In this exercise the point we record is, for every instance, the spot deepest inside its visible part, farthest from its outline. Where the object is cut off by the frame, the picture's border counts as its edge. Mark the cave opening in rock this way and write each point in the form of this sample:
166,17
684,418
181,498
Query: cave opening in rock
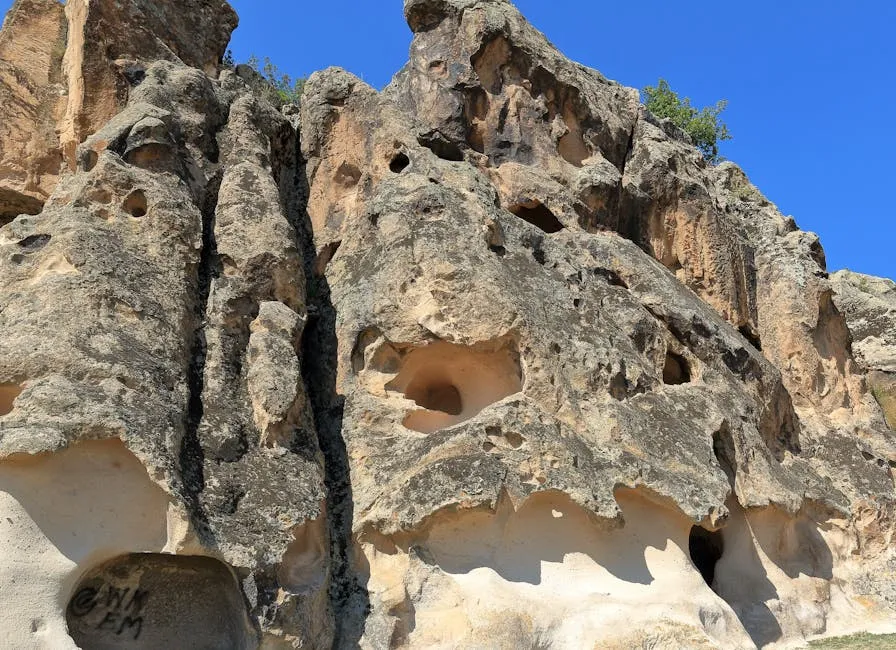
151,600
442,147
89,159
34,242
750,334
399,163
8,395
13,204
452,383
706,548
438,395
539,216
135,204
676,370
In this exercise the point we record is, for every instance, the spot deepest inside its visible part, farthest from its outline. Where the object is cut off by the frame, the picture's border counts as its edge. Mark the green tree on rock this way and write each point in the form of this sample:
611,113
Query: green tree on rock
704,126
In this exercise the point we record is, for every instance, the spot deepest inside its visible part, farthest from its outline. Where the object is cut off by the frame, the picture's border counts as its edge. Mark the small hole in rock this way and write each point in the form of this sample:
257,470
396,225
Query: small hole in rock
8,395
89,160
706,549
676,370
514,439
34,242
724,451
452,383
135,204
436,396
347,175
539,216
748,333
399,163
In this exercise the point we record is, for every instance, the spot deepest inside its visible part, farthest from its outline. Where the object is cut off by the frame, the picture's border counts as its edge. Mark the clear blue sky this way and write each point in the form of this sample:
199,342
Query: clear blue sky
811,86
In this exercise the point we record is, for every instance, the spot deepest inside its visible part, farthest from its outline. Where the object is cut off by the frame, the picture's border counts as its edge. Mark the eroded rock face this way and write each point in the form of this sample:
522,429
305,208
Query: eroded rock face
67,69
869,304
492,358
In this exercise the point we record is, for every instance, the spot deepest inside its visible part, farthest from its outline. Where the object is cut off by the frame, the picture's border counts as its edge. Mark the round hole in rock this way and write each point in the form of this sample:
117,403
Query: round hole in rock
135,204
453,383
148,601
676,370
8,395
706,549
435,395
399,163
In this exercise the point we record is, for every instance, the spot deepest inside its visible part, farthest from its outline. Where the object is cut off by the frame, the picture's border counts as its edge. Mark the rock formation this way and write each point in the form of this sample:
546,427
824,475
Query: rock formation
491,358
869,305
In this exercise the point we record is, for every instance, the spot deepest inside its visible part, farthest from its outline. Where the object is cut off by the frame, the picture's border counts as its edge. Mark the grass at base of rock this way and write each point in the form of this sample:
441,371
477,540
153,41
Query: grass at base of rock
857,642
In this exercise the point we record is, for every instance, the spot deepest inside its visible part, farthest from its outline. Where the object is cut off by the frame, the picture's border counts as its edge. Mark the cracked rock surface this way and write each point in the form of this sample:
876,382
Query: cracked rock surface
491,358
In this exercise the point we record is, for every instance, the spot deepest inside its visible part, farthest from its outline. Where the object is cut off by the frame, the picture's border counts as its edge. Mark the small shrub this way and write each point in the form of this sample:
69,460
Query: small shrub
704,126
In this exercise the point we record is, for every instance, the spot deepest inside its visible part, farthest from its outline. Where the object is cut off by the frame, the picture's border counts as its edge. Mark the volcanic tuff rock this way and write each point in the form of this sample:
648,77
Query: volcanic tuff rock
491,358
869,305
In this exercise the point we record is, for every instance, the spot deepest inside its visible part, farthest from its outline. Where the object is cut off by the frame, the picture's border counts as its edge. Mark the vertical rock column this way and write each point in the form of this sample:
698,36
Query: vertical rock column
263,496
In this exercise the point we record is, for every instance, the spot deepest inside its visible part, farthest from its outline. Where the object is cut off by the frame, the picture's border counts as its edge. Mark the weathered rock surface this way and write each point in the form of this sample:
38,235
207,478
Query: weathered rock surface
869,305
491,358
65,70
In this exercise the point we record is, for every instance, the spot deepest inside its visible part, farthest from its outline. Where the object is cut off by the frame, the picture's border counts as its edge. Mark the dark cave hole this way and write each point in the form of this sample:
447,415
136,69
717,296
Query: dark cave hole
676,371
34,242
399,163
539,216
436,396
705,548
136,204
89,160
750,334
442,147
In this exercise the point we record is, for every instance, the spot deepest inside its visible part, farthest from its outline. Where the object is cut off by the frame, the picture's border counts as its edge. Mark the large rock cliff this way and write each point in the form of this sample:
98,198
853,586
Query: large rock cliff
489,359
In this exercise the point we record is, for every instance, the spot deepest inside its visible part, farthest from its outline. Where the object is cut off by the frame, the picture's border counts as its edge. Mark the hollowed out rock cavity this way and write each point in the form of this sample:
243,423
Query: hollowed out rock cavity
538,215
676,370
135,204
303,568
705,548
8,395
151,601
452,383
399,163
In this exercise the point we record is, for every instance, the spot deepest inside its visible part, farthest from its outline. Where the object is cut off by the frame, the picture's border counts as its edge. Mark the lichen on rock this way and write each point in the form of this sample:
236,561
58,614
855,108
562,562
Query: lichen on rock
491,358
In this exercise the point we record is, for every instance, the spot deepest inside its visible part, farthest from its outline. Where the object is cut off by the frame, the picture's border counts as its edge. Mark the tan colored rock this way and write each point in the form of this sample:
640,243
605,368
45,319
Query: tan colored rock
492,358
32,97
869,305
66,70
